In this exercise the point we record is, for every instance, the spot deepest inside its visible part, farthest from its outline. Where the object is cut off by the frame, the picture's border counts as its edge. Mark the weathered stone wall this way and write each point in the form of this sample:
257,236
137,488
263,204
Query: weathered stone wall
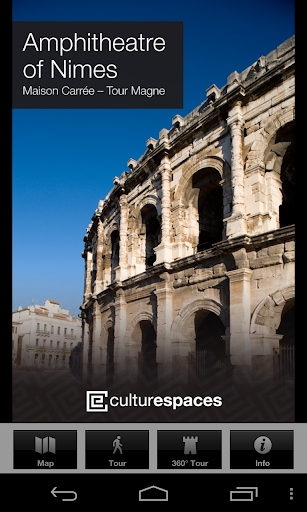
199,231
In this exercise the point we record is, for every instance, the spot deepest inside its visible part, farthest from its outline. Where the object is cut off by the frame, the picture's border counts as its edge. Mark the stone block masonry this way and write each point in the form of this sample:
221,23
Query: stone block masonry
189,260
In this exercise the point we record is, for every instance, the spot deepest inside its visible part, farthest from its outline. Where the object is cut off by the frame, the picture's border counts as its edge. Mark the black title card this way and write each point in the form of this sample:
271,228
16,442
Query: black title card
98,65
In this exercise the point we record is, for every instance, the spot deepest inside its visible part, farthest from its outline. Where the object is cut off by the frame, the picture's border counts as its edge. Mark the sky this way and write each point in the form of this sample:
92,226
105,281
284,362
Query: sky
64,160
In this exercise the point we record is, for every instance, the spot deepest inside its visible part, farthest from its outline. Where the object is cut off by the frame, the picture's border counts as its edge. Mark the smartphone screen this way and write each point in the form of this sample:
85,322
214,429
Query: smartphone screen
153,324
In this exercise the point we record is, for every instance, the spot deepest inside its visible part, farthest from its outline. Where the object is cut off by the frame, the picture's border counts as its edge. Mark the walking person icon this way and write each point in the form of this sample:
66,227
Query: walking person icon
117,445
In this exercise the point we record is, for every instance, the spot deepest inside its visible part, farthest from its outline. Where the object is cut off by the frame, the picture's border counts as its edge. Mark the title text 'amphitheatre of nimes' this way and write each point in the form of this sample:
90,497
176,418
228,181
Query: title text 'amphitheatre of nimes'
95,43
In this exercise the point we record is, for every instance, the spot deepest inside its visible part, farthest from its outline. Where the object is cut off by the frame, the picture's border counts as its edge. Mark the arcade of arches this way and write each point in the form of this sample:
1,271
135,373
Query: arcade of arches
190,259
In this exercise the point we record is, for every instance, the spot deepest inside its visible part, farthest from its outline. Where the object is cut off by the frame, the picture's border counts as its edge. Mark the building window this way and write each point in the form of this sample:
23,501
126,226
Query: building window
59,330
72,332
151,226
71,344
36,342
57,343
65,331
114,253
52,329
37,327
45,327
51,343
44,343
208,207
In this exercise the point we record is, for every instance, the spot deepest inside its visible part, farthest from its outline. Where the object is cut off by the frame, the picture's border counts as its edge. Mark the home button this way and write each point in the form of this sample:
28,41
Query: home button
153,493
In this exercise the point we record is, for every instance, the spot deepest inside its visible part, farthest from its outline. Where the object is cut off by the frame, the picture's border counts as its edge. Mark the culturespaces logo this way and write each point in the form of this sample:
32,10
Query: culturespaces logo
99,401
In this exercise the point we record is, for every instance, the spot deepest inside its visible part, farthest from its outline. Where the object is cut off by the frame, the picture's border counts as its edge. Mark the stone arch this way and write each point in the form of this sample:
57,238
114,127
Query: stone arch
108,232
109,324
214,162
108,264
105,327
271,155
200,344
115,243
141,239
189,309
200,202
135,215
267,315
141,315
109,349
149,199
140,348
152,225
255,156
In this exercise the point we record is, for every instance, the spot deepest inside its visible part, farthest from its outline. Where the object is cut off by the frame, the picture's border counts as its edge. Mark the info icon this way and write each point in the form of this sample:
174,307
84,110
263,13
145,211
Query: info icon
263,444
269,449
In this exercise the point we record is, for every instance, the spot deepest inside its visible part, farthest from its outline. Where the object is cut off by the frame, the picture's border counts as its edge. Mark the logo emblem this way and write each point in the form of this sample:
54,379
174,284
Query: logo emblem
95,401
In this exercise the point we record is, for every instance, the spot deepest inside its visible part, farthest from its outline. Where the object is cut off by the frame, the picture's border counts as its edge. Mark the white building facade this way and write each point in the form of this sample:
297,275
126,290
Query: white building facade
44,336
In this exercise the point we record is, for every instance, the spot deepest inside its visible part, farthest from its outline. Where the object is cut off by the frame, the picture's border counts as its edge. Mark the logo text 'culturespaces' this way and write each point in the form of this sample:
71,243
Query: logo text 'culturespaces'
99,401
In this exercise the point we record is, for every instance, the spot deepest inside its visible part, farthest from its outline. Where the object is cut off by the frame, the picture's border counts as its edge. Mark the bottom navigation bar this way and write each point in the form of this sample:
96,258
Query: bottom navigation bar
184,490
